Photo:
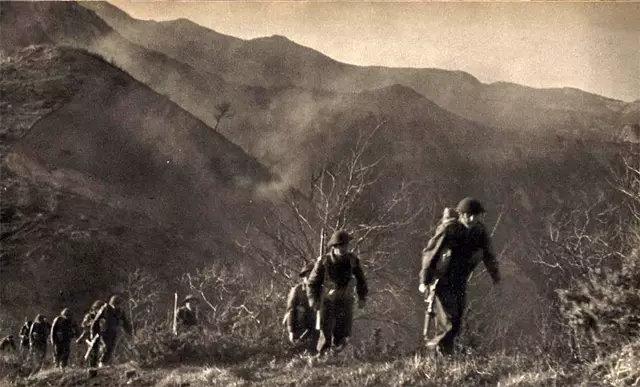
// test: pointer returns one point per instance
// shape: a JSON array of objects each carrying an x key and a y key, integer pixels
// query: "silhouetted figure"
[{"x": 448, "y": 261}]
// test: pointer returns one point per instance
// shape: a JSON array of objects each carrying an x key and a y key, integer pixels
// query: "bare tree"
[
  {"x": 223, "y": 110},
  {"x": 143, "y": 294},
  {"x": 358, "y": 193}
]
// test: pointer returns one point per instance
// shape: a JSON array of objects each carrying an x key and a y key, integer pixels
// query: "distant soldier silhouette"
[
  {"x": 187, "y": 315},
  {"x": 330, "y": 292},
  {"x": 109, "y": 319},
  {"x": 7, "y": 344},
  {"x": 448, "y": 261},
  {"x": 24, "y": 336},
  {"x": 299, "y": 318},
  {"x": 63, "y": 330},
  {"x": 89, "y": 335},
  {"x": 38, "y": 335}
]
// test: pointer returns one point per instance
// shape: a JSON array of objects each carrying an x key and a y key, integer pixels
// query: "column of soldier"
[
  {"x": 319, "y": 313},
  {"x": 99, "y": 330}
]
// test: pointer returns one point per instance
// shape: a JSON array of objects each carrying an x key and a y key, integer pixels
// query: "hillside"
[
  {"x": 117, "y": 142},
  {"x": 102, "y": 176}
]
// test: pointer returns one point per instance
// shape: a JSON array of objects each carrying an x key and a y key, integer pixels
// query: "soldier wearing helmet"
[
  {"x": 8, "y": 343},
  {"x": 187, "y": 315},
  {"x": 299, "y": 318},
  {"x": 63, "y": 330},
  {"x": 87, "y": 333},
  {"x": 109, "y": 319},
  {"x": 24, "y": 336},
  {"x": 448, "y": 261},
  {"x": 38, "y": 335},
  {"x": 330, "y": 292}
]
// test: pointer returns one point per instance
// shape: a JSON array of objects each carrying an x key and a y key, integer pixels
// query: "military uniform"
[
  {"x": 8, "y": 343},
  {"x": 449, "y": 258},
  {"x": 186, "y": 317},
  {"x": 299, "y": 318},
  {"x": 88, "y": 334},
  {"x": 109, "y": 319},
  {"x": 24, "y": 336},
  {"x": 330, "y": 291},
  {"x": 38, "y": 335},
  {"x": 63, "y": 330}
]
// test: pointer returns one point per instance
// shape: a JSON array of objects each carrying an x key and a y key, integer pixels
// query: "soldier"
[
  {"x": 330, "y": 292},
  {"x": 38, "y": 335},
  {"x": 448, "y": 261},
  {"x": 24, "y": 336},
  {"x": 299, "y": 317},
  {"x": 8, "y": 343},
  {"x": 63, "y": 330},
  {"x": 87, "y": 324},
  {"x": 186, "y": 314},
  {"x": 109, "y": 319}
]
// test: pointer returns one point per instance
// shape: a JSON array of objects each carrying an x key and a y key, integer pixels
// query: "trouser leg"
[
  {"x": 107, "y": 348},
  {"x": 328, "y": 323},
  {"x": 453, "y": 303},
  {"x": 343, "y": 320}
]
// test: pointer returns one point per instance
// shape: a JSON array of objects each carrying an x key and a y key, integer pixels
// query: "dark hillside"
[{"x": 102, "y": 176}]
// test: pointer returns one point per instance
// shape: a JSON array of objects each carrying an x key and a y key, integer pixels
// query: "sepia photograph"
[{"x": 320, "y": 193}]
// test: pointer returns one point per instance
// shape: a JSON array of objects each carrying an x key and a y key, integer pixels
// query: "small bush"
[{"x": 604, "y": 310}]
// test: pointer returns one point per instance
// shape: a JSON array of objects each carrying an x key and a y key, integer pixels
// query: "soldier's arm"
[
  {"x": 316, "y": 281},
  {"x": 361, "y": 286},
  {"x": 126, "y": 323},
  {"x": 52, "y": 333},
  {"x": 292, "y": 300},
  {"x": 489, "y": 258},
  {"x": 82, "y": 336},
  {"x": 95, "y": 324},
  {"x": 75, "y": 330}
]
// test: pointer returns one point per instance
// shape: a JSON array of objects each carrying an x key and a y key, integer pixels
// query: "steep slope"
[{"x": 101, "y": 176}]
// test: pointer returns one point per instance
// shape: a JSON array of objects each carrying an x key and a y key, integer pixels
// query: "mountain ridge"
[{"x": 500, "y": 104}]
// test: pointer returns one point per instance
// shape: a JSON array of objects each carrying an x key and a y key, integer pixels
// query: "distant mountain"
[{"x": 276, "y": 62}]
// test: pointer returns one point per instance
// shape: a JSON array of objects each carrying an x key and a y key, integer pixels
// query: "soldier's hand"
[
  {"x": 361, "y": 303},
  {"x": 422, "y": 288}
]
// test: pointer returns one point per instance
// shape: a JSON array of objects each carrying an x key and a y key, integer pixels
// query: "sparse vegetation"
[{"x": 92, "y": 241}]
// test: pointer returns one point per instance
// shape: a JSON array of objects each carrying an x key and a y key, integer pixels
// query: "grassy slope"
[{"x": 531, "y": 368}]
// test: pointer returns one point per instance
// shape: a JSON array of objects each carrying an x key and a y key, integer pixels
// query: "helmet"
[
  {"x": 97, "y": 304},
  {"x": 115, "y": 300},
  {"x": 190, "y": 298},
  {"x": 306, "y": 269},
  {"x": 66, "y": 312},
  {"x": 471, "y": 206},
  {"x": 340, "y": 237}
]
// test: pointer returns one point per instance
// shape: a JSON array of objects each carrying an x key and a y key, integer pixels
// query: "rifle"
[
  {"x": 320, "y": 311},
  {"x": 91, "y": 344},
  {"x": 319, "y": 314},
  {"x": 175, "y": 314},
  {"x": 431, "y": 311}
]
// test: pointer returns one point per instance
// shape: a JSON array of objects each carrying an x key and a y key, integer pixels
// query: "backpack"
[{"x": 436, "y": 256}]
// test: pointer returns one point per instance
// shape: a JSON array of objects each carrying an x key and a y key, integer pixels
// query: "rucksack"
[{"x": 436, "y": 257}]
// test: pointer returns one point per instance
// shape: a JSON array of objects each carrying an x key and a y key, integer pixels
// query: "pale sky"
[{"x": 591, "y": 46}]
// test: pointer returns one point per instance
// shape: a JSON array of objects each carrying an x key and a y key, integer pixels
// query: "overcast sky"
[{"x": 590, "y": 46}]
